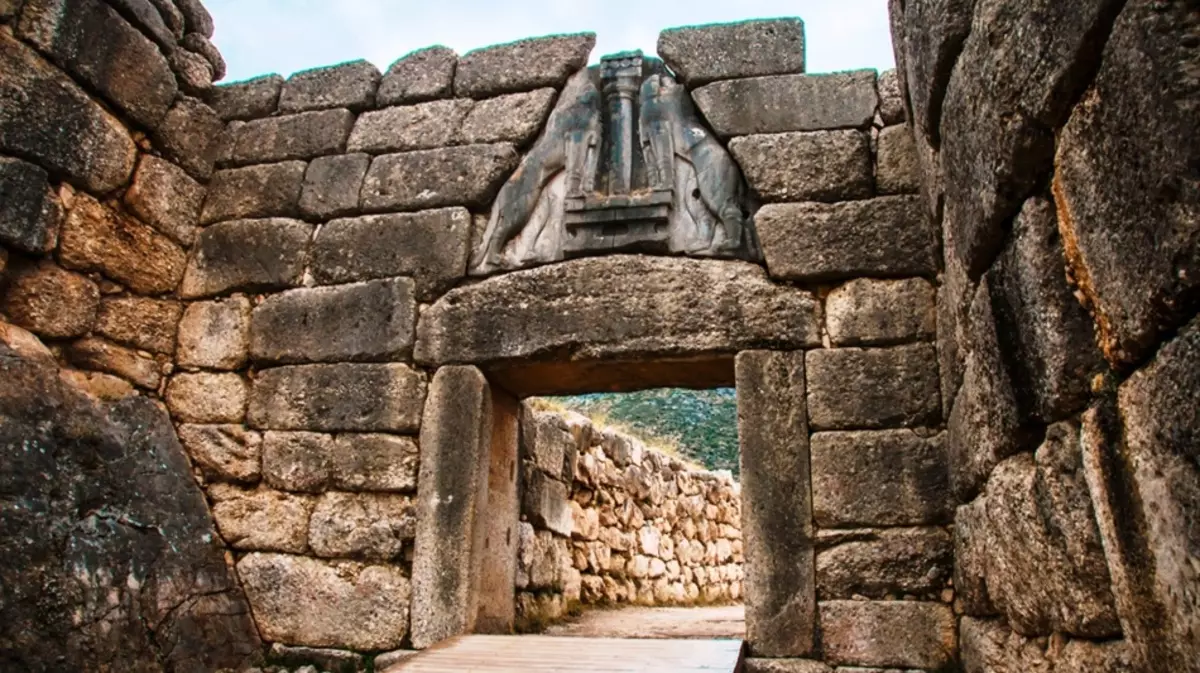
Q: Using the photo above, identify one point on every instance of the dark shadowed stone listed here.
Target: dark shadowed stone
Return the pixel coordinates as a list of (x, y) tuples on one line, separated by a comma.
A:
[(815, 166), (49, 301), (247, 255), (9, 8), (879, 478), (191, 136), (330, 661), (93, 42), (897, 168), (988, 646), (904, 634), (891, 98), (410, 127), (425, 74), (776, 521), (953, 304), (431, 246), (866, 312), (47, 119), (267, 190), (167, 198), (514, 118), (701, 54), (110, 552), (171, 16), (340, 397), (1129, 205), (884, 563), (522, 65), (930, 34), (299, 136), (456, 176), (251, 99), (32, 212), (96, 237), (194, 73), (617, 306), (196, 18), (544, 502), (148, 324), (451, 490), (332, 185), (853, 388), (200, 44), (789, 103), (347, 85), (971, 560), (361, 322), (887, 236)]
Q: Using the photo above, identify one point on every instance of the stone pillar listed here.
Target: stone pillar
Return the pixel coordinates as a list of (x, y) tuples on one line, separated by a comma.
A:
[(622, 81), (498, 567), (452, 488), (777, 522)]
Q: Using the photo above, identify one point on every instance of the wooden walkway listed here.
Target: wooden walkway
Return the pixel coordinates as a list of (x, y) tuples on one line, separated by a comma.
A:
[(504, 654)]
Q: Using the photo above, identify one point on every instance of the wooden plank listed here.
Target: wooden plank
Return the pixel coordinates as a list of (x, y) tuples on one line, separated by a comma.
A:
[(505, 654)]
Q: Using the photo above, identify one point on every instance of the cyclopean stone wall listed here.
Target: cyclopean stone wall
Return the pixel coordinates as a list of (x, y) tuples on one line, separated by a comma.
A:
[(1058, 151), (607, 521)]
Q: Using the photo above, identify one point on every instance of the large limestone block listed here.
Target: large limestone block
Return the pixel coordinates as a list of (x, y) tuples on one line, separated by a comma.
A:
[(261, 519), (98, 238), (215, 334), (266, 190), (375, 462), (897, 166), (247, 255), (544, 502), (47, 118), (515, 118), (885, 236), (164, 196), (332, 185), (879, 478), (811, 166), (360, 322), (32, 212), (789, 103), (148, 324), (884, 562), (777, 519), (50, 301), (891, 98), (347, 85), (223, 452), (547, 441), (700, 54), (930, 35), (901, 634), (617, 307), (299, 136), (424, 74), (866, 312), (410, 127), (303, 601), (522, 65), (191, 135), (338, 397), (248, 99), (454, 176), (207, 397), (866, 388), (297, 461), (372, 526)]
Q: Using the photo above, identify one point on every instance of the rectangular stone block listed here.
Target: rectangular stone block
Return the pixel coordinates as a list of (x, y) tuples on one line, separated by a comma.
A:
[(786, 103), (880, 563), (432, 246), (373, 526), (813, 166), (424, 74), (249, 99), (700, 54), (897, 169), (886, 236), (205, 397), (297, 461), (164, 196), (880, 478), (191, 135), (98, 238), (101, 355), (544, 502), (857, 388), (347, 85), (247, 255), (360, 322), (514, 118), (522, 65), (32, 212), (375, 462), (223, 452), (299, 136), (341, 397), (455, 176), (410, 127), (49, 301), (866, 312), (268, 190), (261, 519), (215, 334), (332, 185), (777, 522), (148, 324), (899, 634)]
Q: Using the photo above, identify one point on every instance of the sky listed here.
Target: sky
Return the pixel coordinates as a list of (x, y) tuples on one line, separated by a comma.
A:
[(258, 37)]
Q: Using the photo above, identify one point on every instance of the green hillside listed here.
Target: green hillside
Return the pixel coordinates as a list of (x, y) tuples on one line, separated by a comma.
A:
[(702, 424)]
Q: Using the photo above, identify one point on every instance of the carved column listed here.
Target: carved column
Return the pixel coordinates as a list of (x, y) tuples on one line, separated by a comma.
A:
[(621, 74)]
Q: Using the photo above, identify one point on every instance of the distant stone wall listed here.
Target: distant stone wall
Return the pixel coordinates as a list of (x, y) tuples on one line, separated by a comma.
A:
[(608, 521)]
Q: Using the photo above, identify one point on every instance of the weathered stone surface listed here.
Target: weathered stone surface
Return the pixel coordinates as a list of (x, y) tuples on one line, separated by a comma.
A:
[(990, 647), (46, 118), (93, 42), (897, 168), (110, 552), (410, 127), (215, 334), (25, 345), (881, 312), (514, 118), (544, 502), (852, 388), (372, 526), (330, 661), (105, 356), (904, 634), (194, 72), (701, 54), (757, 665), (191, 135), (32, 212), (196, 18), (268, 190), (299, 600), (891, 98), (522, 65), (424, 74), (930, 36), (167, 198), (455, 431), (147, 324), (776, 521), (103, 387), (546, 441), (261, 519), (885, 563), (454, 176), (389, 661), (812, 166), (223, 452), (375, 462), (431, 246), (971, 560), (879, 478), (789, 103), (886, 236), (250, 99), (370, 321), (97, 238), (298, 136), (207, 398), (341, 397), (200, 44), (332, 185), (247, 255), (347, 85), (51, 302), (297, 461), (664, 307)]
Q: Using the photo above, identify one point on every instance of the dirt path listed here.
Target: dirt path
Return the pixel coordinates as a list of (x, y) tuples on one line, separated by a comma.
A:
[(707, 622)]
